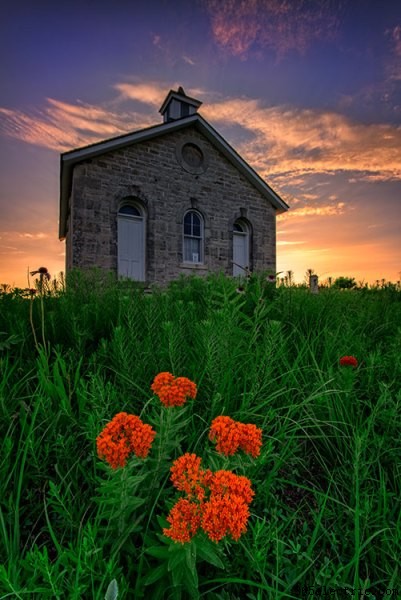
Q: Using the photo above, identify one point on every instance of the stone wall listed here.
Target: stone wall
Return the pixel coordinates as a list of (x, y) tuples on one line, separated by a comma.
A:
[(153, 172)]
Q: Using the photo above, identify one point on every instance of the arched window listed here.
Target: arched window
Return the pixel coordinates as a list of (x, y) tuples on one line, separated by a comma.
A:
[(131, 242), (193, 237), (241, 250), (128, 209)]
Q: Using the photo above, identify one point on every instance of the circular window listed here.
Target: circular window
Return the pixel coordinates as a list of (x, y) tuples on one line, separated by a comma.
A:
[(191, 155)]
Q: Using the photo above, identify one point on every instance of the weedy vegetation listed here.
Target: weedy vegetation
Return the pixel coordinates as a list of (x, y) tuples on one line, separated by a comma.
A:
[(326, 483)]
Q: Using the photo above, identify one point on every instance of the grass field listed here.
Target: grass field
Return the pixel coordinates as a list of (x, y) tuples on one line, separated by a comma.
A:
[(327, 482)]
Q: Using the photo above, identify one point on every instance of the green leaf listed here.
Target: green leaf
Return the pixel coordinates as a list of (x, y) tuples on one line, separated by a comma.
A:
[(191, 583), (112, 591), (209, 554), (190, 557), (158, 551), (178, 557), (156, 574)]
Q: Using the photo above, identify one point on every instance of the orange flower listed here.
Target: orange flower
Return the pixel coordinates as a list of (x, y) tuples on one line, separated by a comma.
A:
[(250, 439), (349, 360), (184, 519), (216, 502), (225, 515), (224, 430), (227, 509), (125, 434), (188, 477), (231, 435), (225, 483), (173, 391)]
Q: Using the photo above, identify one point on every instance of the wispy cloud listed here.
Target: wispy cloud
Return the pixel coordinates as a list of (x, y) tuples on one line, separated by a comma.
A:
[(61, 125), (393, 68), (34, 236), (286, 145), (328, 210), (287, 243), (290, 142), (396, 39), (188, 60), (148, 93), (279, 25)]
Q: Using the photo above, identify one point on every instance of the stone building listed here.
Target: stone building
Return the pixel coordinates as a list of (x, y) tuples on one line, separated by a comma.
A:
[(170, 199)]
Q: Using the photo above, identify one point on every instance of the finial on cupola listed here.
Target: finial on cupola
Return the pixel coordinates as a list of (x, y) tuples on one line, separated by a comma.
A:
[(178, 105)]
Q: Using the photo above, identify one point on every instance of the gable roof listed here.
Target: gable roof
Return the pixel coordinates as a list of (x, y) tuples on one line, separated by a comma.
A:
[(71, 158)]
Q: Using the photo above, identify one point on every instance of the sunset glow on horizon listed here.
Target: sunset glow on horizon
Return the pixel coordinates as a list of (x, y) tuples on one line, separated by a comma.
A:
[(309, 94)]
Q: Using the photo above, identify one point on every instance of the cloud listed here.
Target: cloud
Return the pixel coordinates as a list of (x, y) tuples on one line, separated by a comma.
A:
[(61, 126), (34, 236), (285, 145), (279, 25), (328, 210), (188, 60), (396, 39), (290, 143), (393, 68), (147, 93), (287, 243)]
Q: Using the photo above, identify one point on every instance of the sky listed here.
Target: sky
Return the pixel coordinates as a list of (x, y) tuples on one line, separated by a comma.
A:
[(307, 91)]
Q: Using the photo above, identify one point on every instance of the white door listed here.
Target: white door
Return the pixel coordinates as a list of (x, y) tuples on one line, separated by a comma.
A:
[(131, 248), (240, 253)]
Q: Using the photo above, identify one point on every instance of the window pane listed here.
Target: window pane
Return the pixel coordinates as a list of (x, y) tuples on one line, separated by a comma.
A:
[(187, 224), (238, 227), (187, 249), (129, 210), (196, 229), (192, 248)]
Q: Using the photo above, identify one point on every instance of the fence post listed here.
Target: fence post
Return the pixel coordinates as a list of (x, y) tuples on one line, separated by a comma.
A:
[(313, 284)]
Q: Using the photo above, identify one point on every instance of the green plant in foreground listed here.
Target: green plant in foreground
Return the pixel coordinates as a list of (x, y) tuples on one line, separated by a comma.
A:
[(325, 510), (215, 503)]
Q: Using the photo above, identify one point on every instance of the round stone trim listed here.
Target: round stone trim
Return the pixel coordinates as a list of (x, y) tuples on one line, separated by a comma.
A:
[(191, 156)]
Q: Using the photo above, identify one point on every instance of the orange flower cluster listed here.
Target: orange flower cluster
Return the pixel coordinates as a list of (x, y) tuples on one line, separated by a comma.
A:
[(188, 477), (232, 435), (217, 502), (184, 519), (173, 391), (123, 435), (349, 360)]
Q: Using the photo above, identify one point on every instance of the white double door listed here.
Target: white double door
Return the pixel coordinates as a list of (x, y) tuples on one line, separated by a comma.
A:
[(131, 247)]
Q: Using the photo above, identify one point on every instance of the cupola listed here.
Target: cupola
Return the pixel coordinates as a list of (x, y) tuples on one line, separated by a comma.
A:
[(178, 105)]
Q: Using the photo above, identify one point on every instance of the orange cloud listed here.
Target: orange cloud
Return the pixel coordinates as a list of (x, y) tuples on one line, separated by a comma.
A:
[(317, 211), (290, 142), (61, 126), (277, 25), (149, 93)]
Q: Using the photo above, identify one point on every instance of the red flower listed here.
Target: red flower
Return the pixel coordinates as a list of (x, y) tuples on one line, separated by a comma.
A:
[(173, 391), (125, 434), (349, 360), (231, 435)]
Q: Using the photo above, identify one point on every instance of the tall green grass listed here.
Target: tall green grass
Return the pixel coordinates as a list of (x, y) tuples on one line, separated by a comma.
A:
[(327, 483)]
